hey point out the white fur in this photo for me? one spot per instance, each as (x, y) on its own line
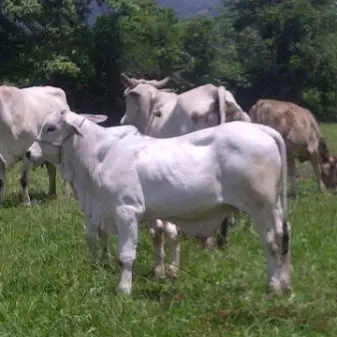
(22, 113)
(122, 178)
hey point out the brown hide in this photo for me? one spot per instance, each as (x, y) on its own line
(297, 125)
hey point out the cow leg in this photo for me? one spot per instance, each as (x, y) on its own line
(276, 243)
(157, 234)
(26, 167)
(67, 189)
(292, 175)
(127, 226)
(2, 185)
(104, 239)
(173, 235)
(210, 242)
(222, 237)
(51, 169)
(315, 163)
(91, 236)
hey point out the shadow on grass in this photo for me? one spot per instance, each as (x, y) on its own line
(15, 200)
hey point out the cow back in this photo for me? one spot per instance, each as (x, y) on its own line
(297, 125)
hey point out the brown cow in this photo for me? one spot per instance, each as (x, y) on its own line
(302, 136)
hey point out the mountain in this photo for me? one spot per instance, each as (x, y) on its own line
(183, 8)
(188, 8)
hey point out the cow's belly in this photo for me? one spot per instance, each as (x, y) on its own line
(201, 224)
(168, 200)
(181, 182)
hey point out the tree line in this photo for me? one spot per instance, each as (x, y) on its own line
(281, 49)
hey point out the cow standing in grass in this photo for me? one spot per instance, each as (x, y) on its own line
(22, 113)
(301, 134)
(122, 178)
(162, 114)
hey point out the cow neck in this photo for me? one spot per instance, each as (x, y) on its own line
(79, 155)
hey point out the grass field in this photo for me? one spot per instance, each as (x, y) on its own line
(47, 287)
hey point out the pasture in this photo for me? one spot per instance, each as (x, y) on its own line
(47, 287)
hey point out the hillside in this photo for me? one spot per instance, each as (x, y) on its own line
(186, 8)
(183, 8)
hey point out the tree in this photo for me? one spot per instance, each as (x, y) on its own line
(284, 46)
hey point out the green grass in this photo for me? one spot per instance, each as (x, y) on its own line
(47, 287)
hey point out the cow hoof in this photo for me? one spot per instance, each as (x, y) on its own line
(124, 290)
(209, 243)
(173, 273)
(159, 275)
(26, 203)
(280, 287)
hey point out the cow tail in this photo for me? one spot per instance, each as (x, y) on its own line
(284, 194)
(222, 104)
(283, 184)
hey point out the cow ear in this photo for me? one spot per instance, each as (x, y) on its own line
(95, 118)
(68, 119)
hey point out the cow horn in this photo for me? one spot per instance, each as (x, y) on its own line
(162, 83)
(128, 82)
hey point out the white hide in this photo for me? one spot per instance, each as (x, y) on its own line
(162, 114)
(189, 111)
(22, 113)
(193, 180)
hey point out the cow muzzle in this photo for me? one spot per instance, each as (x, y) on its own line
(34, 153)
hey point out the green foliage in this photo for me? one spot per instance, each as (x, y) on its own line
(151, 37)
(277, 49)
(292, 46)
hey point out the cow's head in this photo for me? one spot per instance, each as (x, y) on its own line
(139, 102)
(329, 173)
(139, 98)
(57, 128)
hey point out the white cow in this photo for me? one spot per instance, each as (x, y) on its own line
(22, 113)
(163, 114)
(122, 178)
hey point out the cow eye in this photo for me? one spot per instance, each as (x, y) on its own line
(51, 129)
